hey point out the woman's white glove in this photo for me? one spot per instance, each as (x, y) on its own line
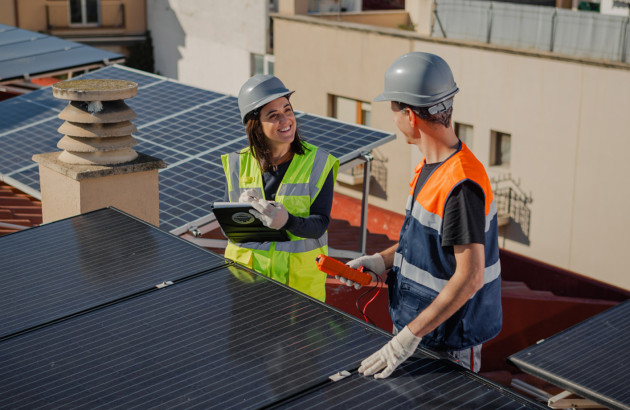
(272, 214)
(391, 355)
(373, 263)
(248, 195)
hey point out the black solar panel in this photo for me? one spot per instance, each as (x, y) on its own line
(59, 269)
(218, 338)
(222, 341)
(589, 359)
(187, 127)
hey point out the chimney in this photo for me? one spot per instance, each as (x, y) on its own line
(98, 167)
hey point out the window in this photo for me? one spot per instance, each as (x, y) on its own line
(262, 64)
(84, 12)
(349, 110)
(465, 133)
(500, 149)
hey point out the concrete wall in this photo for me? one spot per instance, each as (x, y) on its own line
(567, 118)
(207, 43)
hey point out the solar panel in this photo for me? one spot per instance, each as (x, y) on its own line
(187, 127)
(588, 359)
(217, 338)
(26, 53)
(58, 269)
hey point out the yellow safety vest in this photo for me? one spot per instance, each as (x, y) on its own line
(291, 262)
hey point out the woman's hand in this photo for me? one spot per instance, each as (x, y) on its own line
(249, 195)
(272, 214)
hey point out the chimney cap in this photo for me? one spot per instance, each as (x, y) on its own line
(94, 90)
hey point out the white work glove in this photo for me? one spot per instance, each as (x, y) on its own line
(248, 195)
(272, 214)
(391, 355)
(372, 263)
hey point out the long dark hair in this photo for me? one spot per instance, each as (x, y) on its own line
(260, 147)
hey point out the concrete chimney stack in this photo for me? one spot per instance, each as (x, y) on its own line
(98, 167)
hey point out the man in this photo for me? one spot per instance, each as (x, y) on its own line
(444, 282)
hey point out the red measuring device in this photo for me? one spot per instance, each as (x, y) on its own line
(333, 267)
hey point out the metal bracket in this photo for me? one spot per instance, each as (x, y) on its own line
(560, 401)
(339, 375)
(164, 284)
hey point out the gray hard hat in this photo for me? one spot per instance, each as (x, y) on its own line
(419, 79)
(258, 91)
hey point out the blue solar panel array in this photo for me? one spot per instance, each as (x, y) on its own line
(187, 127)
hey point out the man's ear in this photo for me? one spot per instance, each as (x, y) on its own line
(412, 117)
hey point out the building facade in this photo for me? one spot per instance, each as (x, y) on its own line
(113, 25)
(212, 44)
(556, 125)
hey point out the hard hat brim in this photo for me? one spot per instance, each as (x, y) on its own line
(415, 100)
(265, 101)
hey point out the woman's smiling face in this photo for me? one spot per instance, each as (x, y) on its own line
(278, 122)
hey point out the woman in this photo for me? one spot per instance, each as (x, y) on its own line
(289, 182)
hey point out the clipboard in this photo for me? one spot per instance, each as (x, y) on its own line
(241, 226)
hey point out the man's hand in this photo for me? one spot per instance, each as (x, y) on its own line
(272, 214)
(373, 263)
(391, 355)
(248, 195)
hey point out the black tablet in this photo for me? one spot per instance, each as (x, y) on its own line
(241, 226)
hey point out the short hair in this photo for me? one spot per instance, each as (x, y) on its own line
(443, 117)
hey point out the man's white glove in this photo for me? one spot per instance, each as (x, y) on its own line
(373, 263)
(248, 195)
(272, 214)
(391, 355)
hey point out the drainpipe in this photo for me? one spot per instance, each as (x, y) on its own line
(17, 15)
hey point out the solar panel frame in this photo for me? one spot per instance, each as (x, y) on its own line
(86, 261)
(588, 359)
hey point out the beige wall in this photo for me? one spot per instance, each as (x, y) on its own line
(32, 14)
(568, 120)
(7, 12)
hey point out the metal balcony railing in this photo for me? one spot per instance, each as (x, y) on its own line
(511, 201)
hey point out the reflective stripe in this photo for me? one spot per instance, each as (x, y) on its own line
(303, 245)
(293, 190)
(319, 164)
(418, 275)
(426, 218)
(261, 246)
(234, 164)
(491, 272)
(424, 278)
(491, 214)
(409, 202)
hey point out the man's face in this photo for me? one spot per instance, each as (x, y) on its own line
(401, 118)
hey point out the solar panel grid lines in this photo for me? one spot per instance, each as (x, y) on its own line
(187, 316)
(587, 359)
(418, 383)
(73, 272)
(179, 124)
